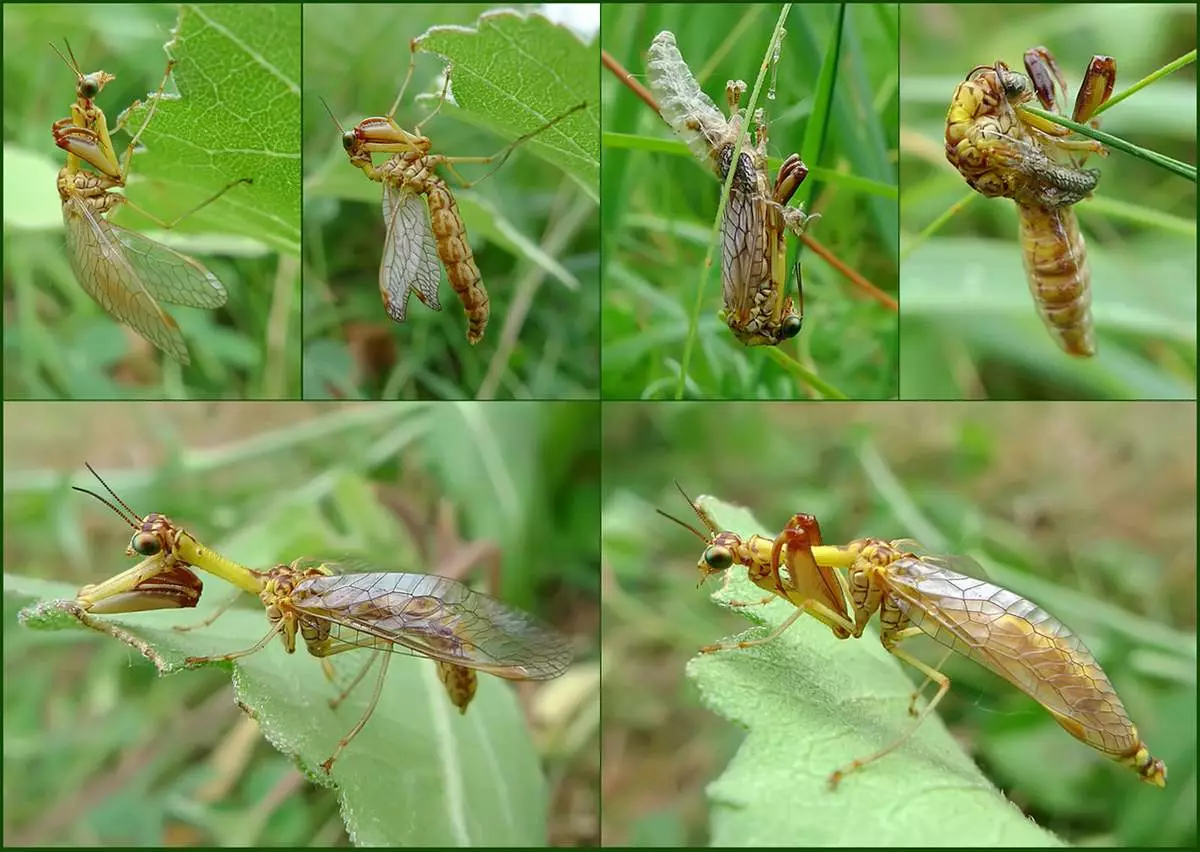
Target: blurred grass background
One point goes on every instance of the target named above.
(1082, 508)
(969, 327)
(58, 343)
(98, 750)
(659, 207)
(356, 57)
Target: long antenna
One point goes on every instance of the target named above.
(128, 516)
(686, 526)
(704, 519)
(71, 63)
(331, 115)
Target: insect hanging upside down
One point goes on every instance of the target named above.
(754, 271)
(417, 239)
(1003, 150)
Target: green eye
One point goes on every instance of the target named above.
(791, 327)
(718, 558)
(145, 543)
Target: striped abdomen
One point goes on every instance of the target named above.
(1056, 268)
(455, 252)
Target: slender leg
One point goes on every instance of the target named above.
(345, 741)
(216, 658)
(912, 703)
(125, 161)
(759, 602)
(502, 155)
(750, 643)
(440, 103)
(168, 224)
(220, 610)
(149, 115)
(932, 674)
(412, 65)
(334, 702)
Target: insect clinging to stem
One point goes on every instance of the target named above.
(1003, 150)
(418, 234)
(754, 275)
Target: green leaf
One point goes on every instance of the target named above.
(515, 73)
(812, 704)
(986, 310)
(237, 115)
(30, 199)
(480, 215)
(419, 773)
(652, 203)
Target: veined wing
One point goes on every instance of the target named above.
(955, 563)
(99, 260)
(435, 616)
(168, 275)
(743, 240)
(1019, 641)
(410, 261)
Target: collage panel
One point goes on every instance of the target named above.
(1038, 262)
(515, 238)
(766, 300)
(118, 745)
(1006, 553)
(190, 286)
(456, 470)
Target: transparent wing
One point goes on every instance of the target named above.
(410, 259)
(743, 241)
(100, 262)
(955, 563)
(1019, 641)
(435, 616)
(737, 259)
(168, 275)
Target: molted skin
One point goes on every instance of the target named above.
(754, 274)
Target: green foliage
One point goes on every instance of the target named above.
(1038, 494)
(660, 204)
(446, 768)
(532, 224)
(230, 112)
(998, 318)
(265, 485)
(240, 57)
(811, 705)
(970, 328)
(515, 93)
